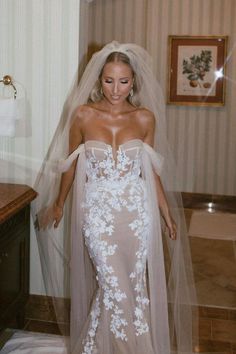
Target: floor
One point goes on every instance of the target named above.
(214, 265)
(215, 279)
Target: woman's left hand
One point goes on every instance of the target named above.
(172, 227)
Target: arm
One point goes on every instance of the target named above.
(162, 200)
(67, 178)
(164, 208)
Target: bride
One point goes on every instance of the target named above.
(130, 289)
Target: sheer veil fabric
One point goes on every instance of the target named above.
(67, 270)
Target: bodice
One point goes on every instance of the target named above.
(103, 164)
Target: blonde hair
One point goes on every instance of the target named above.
(96, 93)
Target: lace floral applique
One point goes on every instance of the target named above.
(89, 342)
(105, 273)
(106, 193)
(140, 228)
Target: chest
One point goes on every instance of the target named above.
(112, 130)
(103, 161)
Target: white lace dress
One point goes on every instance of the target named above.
(116, 228)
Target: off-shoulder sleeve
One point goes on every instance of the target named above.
(64, 165)
(157, 159)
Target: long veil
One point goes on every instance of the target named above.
(59, 260)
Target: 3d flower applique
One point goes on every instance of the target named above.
(114, 186)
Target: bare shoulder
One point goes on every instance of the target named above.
(82, 115)
(82, 112)
(146, 118)
(77, 127)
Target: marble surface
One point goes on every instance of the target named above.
(214, 271)
(211, 202)
(214, 264)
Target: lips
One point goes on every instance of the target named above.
(115, 97)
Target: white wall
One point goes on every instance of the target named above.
(39, 48)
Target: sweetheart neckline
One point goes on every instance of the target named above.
(118, 146)
(114, 151)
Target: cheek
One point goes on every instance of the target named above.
(106, 87)
(126, 89)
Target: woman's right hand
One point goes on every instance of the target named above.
(58, 214)
(49, 216)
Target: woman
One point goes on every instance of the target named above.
(116, 194)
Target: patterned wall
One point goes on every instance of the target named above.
(203, 138)
(39, 48)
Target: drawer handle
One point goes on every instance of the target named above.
(4, 255)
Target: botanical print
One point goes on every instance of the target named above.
(196, 70)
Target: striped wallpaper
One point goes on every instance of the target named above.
(39, 48)
(203, 139)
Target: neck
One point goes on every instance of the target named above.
(115, 108)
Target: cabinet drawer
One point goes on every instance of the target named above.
(14, 264)
(13, 273)
(15, 202)
(17, 223)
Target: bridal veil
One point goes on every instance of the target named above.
(67, 270)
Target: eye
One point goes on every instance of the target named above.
(124, 81)
(108, 81)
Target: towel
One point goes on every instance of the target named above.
(11, 110)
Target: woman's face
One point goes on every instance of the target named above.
(116, 81)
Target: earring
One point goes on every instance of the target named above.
(131, 92)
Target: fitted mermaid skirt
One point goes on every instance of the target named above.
(122, 300)
(115, 227)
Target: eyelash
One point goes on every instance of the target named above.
(110, 82)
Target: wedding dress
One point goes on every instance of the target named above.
(116, 225)
(130, 287)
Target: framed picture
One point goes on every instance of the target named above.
(197, 70)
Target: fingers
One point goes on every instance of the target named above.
(57, 219)
(173, 235)
(49, 217)
(172, 230)
(58, 213)
(57, 222)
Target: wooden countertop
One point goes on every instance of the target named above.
(14, 197)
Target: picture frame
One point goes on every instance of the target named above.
(197, 67)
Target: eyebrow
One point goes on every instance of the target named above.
(122, 78)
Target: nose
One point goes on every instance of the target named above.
(115, 88)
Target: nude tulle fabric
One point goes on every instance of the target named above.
(69, 274)
(115, 205)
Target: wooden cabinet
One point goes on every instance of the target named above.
(14, 252)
